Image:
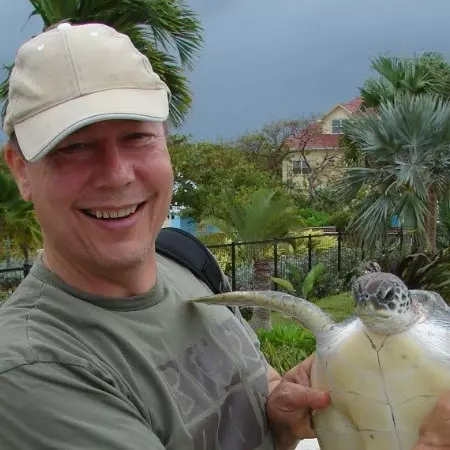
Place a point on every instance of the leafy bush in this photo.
(300, 287)
(286, 345)
(331, 281)
(313, 218)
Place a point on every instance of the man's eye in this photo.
(76, 146)
(143, 138)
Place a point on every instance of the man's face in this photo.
(102, 194)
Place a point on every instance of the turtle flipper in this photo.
(430, 300)
(309, 315)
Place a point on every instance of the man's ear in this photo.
(18, 167)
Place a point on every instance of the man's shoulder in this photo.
(15, 349)
(24, 336)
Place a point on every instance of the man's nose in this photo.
(114, 169)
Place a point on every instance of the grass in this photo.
(339, 307)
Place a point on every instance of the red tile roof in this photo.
(312, 137)
(353, 105)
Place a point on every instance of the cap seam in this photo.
(66, 41)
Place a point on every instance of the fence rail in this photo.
(295, 256)
(284, 258)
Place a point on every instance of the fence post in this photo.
(233, 266)
(309, 253)
(401, 240)
(339, 236)
(26, 268)
(275, 264)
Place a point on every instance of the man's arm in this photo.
(48, 406)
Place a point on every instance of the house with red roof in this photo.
(316, 147)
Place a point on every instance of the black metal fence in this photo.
(338, 252)
(10, 277)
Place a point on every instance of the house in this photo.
(315, 150)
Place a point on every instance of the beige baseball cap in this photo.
(74, 75)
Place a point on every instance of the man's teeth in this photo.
(113, 214)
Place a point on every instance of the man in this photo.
(99, 348)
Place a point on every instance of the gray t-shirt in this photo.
(150, 372)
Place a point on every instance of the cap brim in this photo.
(40, 133)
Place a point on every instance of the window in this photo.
(300, 167)
(336, 126)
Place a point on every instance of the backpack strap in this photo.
(190, 252)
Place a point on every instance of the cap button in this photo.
(63, 26)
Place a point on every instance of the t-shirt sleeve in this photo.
(53, 406)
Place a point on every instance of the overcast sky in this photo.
(266, 60)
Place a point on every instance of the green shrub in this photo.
(286, 345)
(313, 218)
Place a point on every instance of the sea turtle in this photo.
(384, 367)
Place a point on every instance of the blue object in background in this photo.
(189, 225)
(395, 222)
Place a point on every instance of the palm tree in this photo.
(266, 214)
(406, 148)
(166, 31)
(428, 73)
(18, 223)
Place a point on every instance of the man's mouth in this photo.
(116, 214)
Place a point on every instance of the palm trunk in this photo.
(261, 282)
(431, 222)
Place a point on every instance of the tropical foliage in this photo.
(166, 31)
(428, 73)
(202, 170)
(406, 148)
(265, 214)
(18, 224)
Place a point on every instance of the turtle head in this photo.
(383, 303)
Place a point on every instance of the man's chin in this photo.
(122, 258)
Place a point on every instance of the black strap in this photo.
(190, 252)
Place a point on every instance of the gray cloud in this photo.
(265, 60)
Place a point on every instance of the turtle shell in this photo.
(381, 387)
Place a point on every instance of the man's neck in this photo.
(107, 282)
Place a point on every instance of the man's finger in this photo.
(291, 396)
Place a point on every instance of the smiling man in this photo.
(99, 348)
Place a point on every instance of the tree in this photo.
(428, 73)
(265, 214)
(406, 147)
(166, 31)
(317, 169)
(18, 222)
(203, 170)
(269, 146)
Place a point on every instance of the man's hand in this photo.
(290, 403)
(435, 430)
